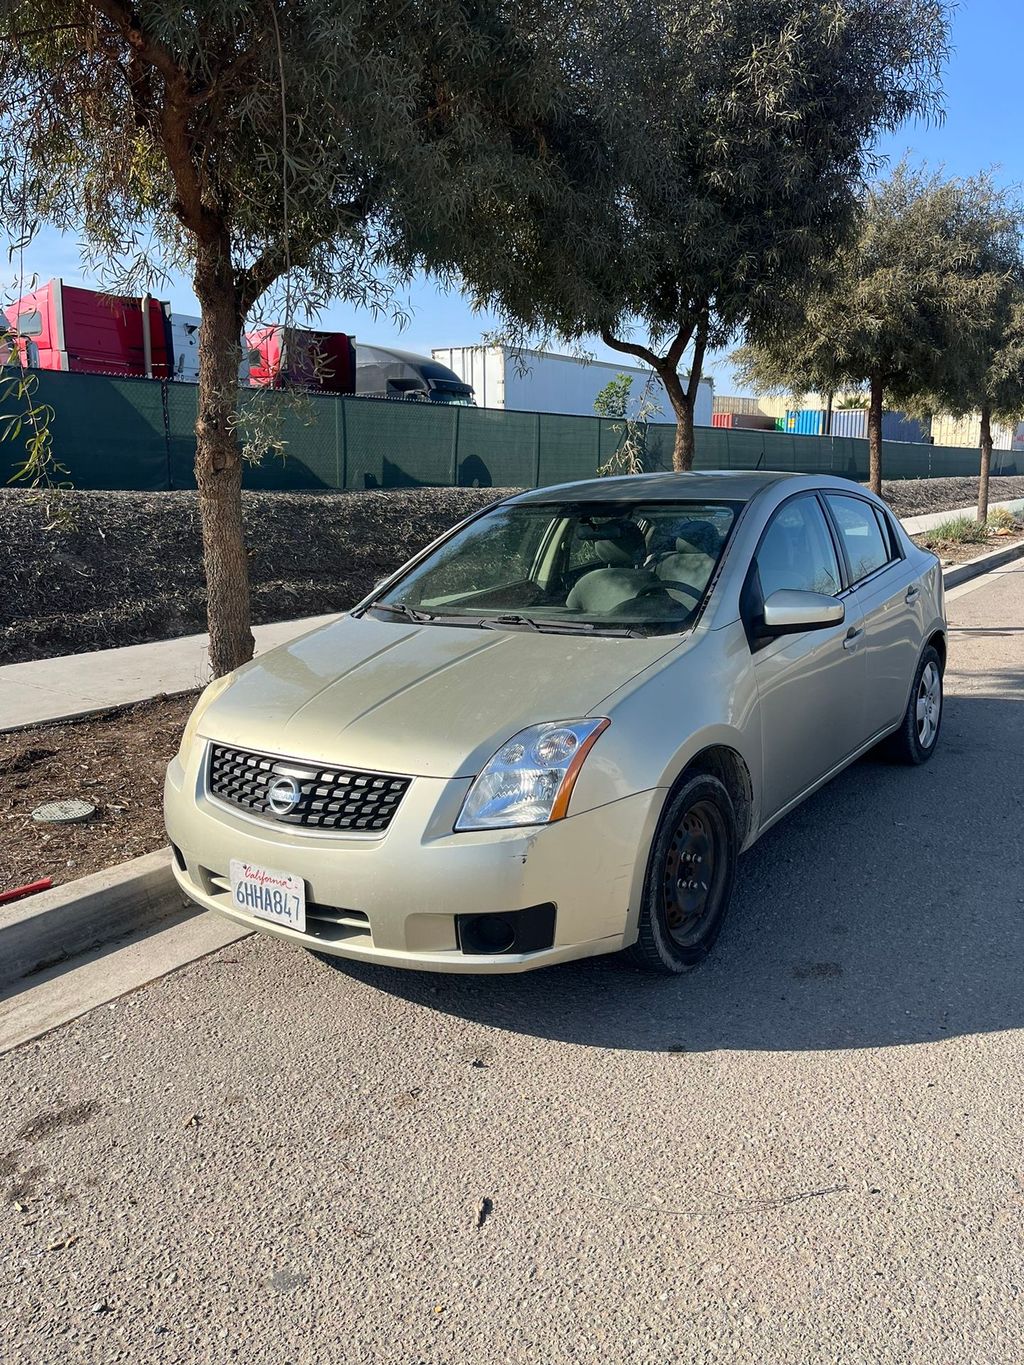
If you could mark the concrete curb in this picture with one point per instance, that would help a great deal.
(974, 568)
(84, 914)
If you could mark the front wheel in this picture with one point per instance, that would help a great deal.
(690, 877)
(914, 742)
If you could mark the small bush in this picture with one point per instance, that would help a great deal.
(959, 531)
(1001, 518)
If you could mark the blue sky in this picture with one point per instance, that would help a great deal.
(981, 130)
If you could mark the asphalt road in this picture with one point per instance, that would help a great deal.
(810, 1150)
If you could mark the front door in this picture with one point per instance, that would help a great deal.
(810, 686)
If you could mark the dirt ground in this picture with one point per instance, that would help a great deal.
(116, 761)
(95, 570)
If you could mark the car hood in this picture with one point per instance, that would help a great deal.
(429, 701)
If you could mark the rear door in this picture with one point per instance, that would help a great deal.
(890, 601)
(810, 686)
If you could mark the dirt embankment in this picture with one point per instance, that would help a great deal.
(129, 566)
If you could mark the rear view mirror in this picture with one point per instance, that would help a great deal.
(789, 610)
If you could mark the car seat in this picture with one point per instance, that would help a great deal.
(696, 553)
(619, 580)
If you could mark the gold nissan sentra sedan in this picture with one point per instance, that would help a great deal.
(551, 733)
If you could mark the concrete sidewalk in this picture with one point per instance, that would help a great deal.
(73, 684)
(915, 525)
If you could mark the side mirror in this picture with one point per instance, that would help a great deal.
(789, 610)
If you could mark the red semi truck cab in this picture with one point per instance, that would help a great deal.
(317, 360)
(61, 327)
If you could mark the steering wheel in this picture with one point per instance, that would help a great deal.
(650, 589)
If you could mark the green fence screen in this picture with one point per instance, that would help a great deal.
(139, 434)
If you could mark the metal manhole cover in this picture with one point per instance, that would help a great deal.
(67, 812)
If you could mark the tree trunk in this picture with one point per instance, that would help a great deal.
(986, 462)
(875, 436)
(682, 408)
(219, 460)
(829, 400)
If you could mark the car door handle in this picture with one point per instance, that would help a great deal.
(852, 636)
(913, 593)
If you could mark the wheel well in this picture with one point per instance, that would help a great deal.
(726, 764)
(938, 643)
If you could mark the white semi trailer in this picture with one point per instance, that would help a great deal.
(543, 381)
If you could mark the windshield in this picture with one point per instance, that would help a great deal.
(620, 568)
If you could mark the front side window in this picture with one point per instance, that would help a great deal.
(865, 548)
(624, 567)
(797, 551)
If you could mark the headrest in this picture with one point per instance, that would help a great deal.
(622, 546)
(698, 537)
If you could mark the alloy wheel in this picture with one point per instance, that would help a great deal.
(929, 705)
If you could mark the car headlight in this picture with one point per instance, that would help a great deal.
(531, 777)
(208, 695)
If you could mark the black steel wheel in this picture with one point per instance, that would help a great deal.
(690, 877)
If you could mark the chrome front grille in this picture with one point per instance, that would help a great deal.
(333, 798)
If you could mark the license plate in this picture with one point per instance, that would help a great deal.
(275, 896)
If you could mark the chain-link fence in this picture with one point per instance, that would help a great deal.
(139, 434)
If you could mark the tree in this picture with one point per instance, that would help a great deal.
(725, 138)
(984, 371)
(613, 400)
(897, 309)
(282, 146)
(1002, 394)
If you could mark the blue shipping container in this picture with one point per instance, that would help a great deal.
(806, 421)
(897, 426)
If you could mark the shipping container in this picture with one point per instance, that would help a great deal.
(544, 381)
(385, 373)
(62, 327)
(896, 426)
(743, 421)
(314, 360)
(748, 407)
(805, 421)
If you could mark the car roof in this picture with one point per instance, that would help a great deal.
(723, 485)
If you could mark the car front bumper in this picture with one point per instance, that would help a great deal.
(394, 899)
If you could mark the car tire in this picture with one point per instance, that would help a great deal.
(681, 916)
(918, 736)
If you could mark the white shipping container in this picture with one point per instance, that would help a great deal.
(543, 381)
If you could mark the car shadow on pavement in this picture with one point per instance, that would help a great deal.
(888, 909)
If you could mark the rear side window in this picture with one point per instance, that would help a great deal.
(861, 535)
(797, 551)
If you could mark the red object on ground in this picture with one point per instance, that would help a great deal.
(315, 360)
(29, 889)
(60, 327)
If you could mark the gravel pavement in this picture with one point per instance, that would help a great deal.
(809, 1150)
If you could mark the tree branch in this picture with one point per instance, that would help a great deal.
(173, 115)
(632, 348)
(700, 346)
(253, 280)
(682, 339)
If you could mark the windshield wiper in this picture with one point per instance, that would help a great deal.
(513, 620)
(510, 620)
(400, 609)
